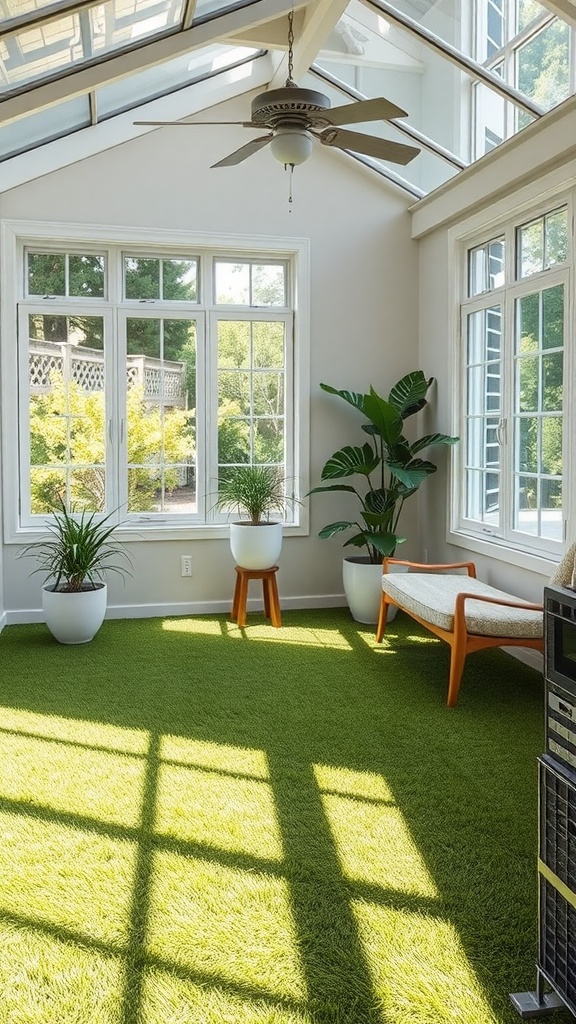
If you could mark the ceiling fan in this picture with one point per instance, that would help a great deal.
(296, 117)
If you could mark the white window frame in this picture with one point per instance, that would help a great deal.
(17, 236)
(514, 547)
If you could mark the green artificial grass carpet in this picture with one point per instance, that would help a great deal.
(201, 824)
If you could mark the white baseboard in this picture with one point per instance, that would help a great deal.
(149, 611)
(527, 655)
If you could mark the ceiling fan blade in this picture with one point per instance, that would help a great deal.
(245, 151)
(378, 109)
(187, 124)
(382, 149)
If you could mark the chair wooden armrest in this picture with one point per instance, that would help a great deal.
(470, 566)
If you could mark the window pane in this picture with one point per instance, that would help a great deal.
(86, 276)
(179, 280)
(232, 283)
(528, 454)
(527, 500)
(234, 343)
(530, 242)
(552, 377)
(556, 238)
(268, 285)
(551, 463)
(46, 273)
(141, 278)
(251, 399)
(528, 384)
(486, 267)
(67, 414)
(553, 317)
(543, 65)
(552, 517)
(528, 312)
(161, 434)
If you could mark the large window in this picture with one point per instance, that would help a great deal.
(144, 375)
(516, 424)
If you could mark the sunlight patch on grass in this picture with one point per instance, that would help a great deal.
(223, 811)
(86, 733)
(46, 981)
(69, 778)
(172, 1000)
(336, 779)
(419, 969)
(372, 839)
(328, 638)
(202, 627)
(231, 925)
(217, 756)
(67, 877)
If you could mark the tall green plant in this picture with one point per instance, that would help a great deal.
(387, 463)
(79, 552)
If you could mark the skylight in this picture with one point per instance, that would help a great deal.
(468, 75)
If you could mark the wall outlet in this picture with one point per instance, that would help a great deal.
(186, 565)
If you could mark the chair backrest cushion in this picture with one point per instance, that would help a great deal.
(565, 574)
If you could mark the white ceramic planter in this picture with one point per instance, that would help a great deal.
(74, 618)
(363, 588)
(256, 547)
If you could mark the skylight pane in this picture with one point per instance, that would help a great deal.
(36, 129)
(426, 171)
(168, 77)
(210, 8)
(38, 52)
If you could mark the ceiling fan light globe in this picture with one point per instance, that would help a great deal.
(291, 145)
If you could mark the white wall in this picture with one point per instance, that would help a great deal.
(364, 317)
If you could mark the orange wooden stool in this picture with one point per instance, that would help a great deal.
(269, 588)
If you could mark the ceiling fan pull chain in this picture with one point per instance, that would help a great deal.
(290, 196)
(289, 80)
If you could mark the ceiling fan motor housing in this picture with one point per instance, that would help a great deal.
(298, 106)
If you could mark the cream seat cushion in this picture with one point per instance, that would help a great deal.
(432, 597)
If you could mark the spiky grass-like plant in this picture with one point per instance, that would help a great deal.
(80, 551)
(253, 491)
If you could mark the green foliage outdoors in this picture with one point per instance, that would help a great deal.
(80, 552)
(387, 464)
(68, 424)
(68, 427)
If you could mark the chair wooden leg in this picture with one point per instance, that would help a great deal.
(457, 660)
(382, 618)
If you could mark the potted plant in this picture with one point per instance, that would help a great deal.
(75, 559)
(390, 471)
(256, 493)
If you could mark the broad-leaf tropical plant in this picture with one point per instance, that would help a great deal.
(388, 464)
(80, 551)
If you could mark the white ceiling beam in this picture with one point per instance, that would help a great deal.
(565, 9)
(319, 20)
(115, 68)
